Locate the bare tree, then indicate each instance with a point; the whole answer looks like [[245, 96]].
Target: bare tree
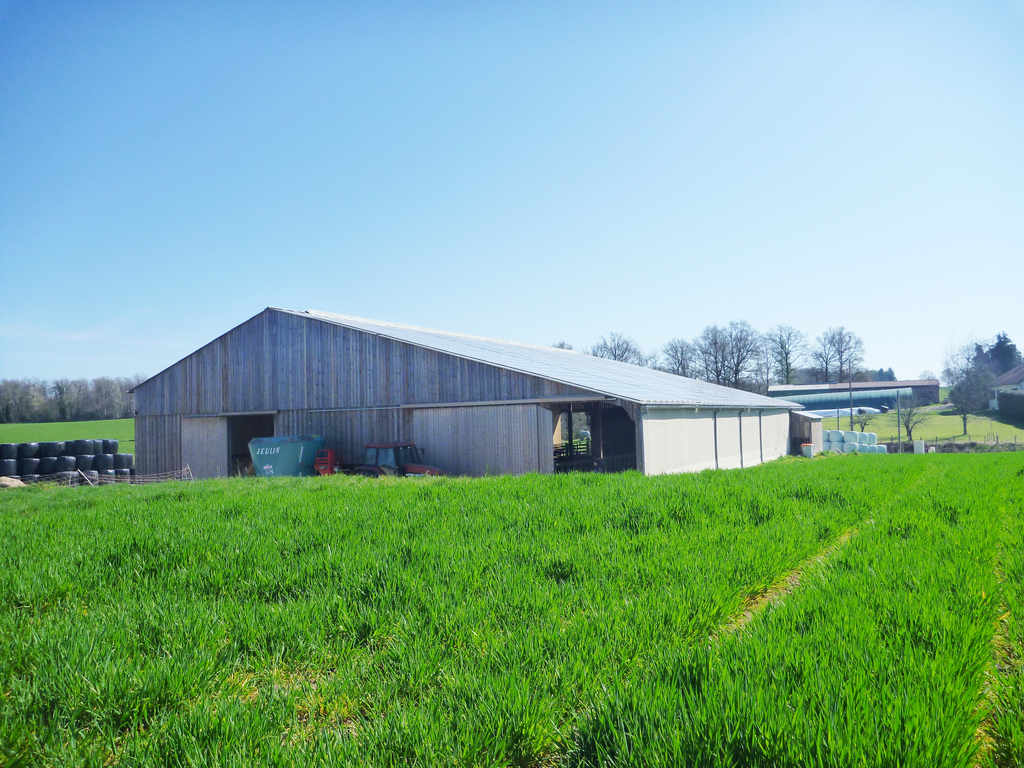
[[862, 418], [741, 351], [823, 360], [615, 346], [968, 375], [562, 345], [913, 414], [787, 346], [764, 366], [837, 352], [679, 357], [849, 350], [713, 354]]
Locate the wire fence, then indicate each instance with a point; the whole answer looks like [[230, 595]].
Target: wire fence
[[959, 444], [79, 478]]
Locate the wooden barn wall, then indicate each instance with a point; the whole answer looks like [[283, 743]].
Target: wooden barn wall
[[350, 431], [204, 446], [486, 440], [278, 361], [297, 365], [157, 444]]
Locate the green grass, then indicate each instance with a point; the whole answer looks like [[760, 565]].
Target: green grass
[[503, 621], [122, 430], [942, 424], [878, 658]]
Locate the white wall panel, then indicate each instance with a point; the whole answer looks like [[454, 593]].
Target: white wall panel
[[751, 439], [776, 434], [683, 440], [728, 440], [678, 440]]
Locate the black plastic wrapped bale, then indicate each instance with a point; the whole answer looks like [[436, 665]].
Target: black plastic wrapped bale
[[123, 460], [82, 447], [123, 475], [106, 475], [110, 446], [93, 476], [84, 462], [47, 465], [104, 461], [48, 450], [8, 467], [66, 464], [29, 479], [8, 451], [27, 466], [28, 450]]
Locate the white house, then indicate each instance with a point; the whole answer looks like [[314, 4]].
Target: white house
[[1011, 381]]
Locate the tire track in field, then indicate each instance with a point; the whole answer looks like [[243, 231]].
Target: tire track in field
[[759, 601], [786, 584], [1002, 662]]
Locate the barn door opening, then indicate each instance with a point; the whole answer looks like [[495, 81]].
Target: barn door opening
[[617, 440], [594, 438], [242, 429]]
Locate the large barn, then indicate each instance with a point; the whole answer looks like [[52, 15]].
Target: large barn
[[477, 406]]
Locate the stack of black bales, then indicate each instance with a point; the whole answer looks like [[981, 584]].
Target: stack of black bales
[[98, 460]]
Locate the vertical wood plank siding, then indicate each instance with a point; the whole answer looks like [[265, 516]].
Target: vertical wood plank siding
[[204, 446], [486, 440], [157, 444], [292, 364]]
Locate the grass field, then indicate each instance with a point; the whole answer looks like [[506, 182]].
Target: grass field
[[122, 430], [942, 424], [850, 610]]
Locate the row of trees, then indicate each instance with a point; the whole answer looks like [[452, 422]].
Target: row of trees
[[738, 355], [24, 400]]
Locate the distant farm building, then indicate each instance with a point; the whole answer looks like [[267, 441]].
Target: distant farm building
[[1011, 381], [925, 391], [478, 406]]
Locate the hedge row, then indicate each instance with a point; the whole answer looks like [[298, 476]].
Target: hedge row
[[1011, 404]]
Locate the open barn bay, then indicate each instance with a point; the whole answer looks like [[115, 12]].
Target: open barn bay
[[847, 610]]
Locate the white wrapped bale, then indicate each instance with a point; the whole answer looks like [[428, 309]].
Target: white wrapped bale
[[850, 437], [872, 438], [849, 447], [835, 436], [883, 449], [862, 438]]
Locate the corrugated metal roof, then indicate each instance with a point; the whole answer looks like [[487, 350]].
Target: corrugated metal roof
[[607, 377], [793, 389], [1012, 376]]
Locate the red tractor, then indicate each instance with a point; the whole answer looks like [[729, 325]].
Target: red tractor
[[393, 460], [379, 460]]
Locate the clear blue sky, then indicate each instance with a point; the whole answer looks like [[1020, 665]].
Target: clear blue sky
[[527, 171]]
